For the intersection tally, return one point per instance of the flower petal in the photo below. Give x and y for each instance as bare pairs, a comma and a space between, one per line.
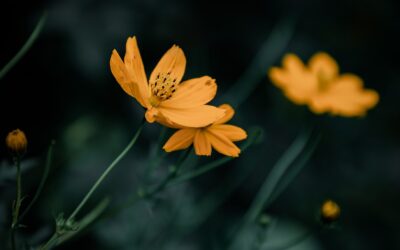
167, 123
192, 93
151, 114
124, 78
202, 145
323, 65
181, 139
120, 73
173, 62
192, 117
296, 82
134, 65
293, 64
231, 132
229, 113
345, 97
222, 144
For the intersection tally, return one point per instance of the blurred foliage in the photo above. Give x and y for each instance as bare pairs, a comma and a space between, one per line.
63, 89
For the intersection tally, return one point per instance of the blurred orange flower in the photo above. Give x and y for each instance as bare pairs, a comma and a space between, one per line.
218, 135
164, 96
320, 86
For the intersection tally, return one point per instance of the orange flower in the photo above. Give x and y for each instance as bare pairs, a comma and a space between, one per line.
320, 86
164, 97
218, 135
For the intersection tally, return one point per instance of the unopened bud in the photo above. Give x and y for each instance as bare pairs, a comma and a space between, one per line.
330, 211
16, 142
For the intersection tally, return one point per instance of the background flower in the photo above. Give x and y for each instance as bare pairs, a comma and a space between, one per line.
320, 86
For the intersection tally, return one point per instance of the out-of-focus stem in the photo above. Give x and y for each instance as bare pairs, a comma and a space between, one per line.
17, 204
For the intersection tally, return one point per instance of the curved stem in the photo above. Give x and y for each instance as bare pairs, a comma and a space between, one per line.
173, 173
174, 170
254, 135
17, 204
50, 242
175, 177
271, 181
276, 174
32, 38
106, 172
19, 191
42, 181
294, 242
272, 48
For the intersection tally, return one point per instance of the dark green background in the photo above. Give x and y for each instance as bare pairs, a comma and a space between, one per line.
63, 90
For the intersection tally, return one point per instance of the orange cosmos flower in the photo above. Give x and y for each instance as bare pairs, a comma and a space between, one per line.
320, 86
164, 96
218, 135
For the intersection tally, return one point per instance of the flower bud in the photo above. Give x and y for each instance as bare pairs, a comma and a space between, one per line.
16, 142
330, 211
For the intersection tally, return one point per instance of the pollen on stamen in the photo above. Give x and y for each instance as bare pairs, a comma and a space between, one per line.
163, 86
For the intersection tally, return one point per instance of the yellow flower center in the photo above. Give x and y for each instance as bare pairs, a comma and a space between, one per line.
323, 81
154, 101
163, 87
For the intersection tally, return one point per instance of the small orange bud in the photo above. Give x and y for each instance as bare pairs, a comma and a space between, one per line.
330, 211
16, 141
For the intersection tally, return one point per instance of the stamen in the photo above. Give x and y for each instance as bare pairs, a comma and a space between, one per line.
164, 86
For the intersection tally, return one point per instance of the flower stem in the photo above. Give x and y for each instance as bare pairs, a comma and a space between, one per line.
254, 136
50, 242
276, 174
272, 181
42, 181
294, 242
106, 172
147, 194
17, 204
174, 170
32, 38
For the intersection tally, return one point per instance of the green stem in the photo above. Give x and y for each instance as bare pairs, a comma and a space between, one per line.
294, 242
295, 170
13, 243
50, 243
201, 170
275, 175
272, 48
174, 170
177, 178
42, 181
84, 222
270, 183
17, 204
19, 191
157, 155
105, 173
32, 38
254, 135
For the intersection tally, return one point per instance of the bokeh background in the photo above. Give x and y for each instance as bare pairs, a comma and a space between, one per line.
63, 90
